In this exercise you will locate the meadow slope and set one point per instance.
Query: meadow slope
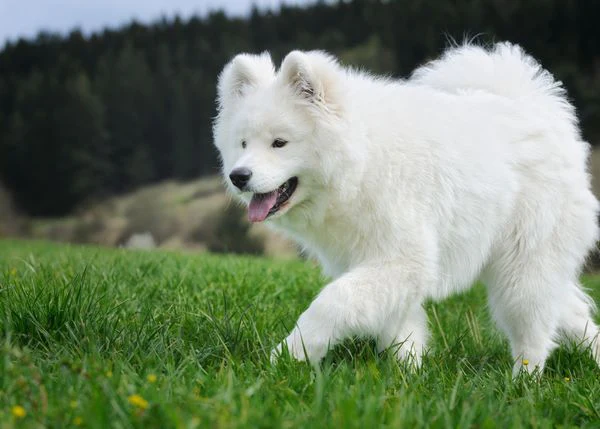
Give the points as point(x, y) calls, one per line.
point(102, 338)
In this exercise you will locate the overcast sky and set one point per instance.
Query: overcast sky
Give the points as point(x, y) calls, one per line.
point(25, 18)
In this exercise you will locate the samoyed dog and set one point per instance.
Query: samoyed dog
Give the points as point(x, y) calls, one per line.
point(406, 190)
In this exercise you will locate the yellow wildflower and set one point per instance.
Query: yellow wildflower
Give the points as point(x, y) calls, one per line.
point(77, 421)
point(151, 378)
point(74, 404)
point(525, 362)
point(18, 411)
point(108, 374)
point(567, 379)
point(138, 401)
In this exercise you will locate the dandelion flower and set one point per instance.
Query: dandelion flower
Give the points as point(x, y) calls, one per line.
point(18, 411)
point(77, 421)
point(108, 374)
point(567, 379)
point(151, 378)
point(138, 401)
point(525, 362)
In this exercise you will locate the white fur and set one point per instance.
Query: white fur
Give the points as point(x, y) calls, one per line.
point(408, 190)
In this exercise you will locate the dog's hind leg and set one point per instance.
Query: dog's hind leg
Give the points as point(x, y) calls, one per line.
point(525, 299)
point(576, 324)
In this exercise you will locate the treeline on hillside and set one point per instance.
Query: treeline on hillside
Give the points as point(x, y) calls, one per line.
point(81, 118)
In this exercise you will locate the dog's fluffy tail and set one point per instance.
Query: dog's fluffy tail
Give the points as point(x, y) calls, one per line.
point(504, 69)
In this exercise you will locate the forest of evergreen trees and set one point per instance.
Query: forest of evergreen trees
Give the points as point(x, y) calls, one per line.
point(85, 117)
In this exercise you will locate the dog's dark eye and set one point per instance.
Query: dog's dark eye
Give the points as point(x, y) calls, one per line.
point(279, 143)
point(243, 144)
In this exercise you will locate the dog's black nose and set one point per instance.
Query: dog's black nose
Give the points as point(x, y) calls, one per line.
point(240, 177)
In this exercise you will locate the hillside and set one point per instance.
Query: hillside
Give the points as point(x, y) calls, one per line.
point(189, 215)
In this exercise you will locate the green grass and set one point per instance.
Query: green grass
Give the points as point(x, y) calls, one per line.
point(83, 328)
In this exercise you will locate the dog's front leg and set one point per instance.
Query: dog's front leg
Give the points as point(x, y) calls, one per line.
point(363, 302)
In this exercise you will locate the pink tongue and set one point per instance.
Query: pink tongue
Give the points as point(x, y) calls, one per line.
point(260, 206)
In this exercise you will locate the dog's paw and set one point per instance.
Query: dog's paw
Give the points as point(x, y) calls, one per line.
point(301, 348)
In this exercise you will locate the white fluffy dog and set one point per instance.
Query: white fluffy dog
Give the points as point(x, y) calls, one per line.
point(407, 190)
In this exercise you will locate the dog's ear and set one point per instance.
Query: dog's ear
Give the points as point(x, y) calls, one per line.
point(312, 76)
point(242, 74)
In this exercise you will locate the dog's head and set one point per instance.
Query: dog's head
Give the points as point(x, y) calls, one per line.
point(271, 127)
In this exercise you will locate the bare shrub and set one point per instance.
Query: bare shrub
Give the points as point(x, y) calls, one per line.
point(227, 231)
point(147, 213)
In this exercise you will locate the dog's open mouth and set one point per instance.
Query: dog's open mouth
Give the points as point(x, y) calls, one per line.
point(264, 205)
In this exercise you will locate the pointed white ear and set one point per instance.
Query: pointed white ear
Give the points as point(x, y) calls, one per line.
point(243, 73)
point(312, 76)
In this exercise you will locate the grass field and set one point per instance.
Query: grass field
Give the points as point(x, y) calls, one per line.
point(109, 338)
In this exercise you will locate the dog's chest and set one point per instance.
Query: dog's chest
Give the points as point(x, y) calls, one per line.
point(338, 247)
